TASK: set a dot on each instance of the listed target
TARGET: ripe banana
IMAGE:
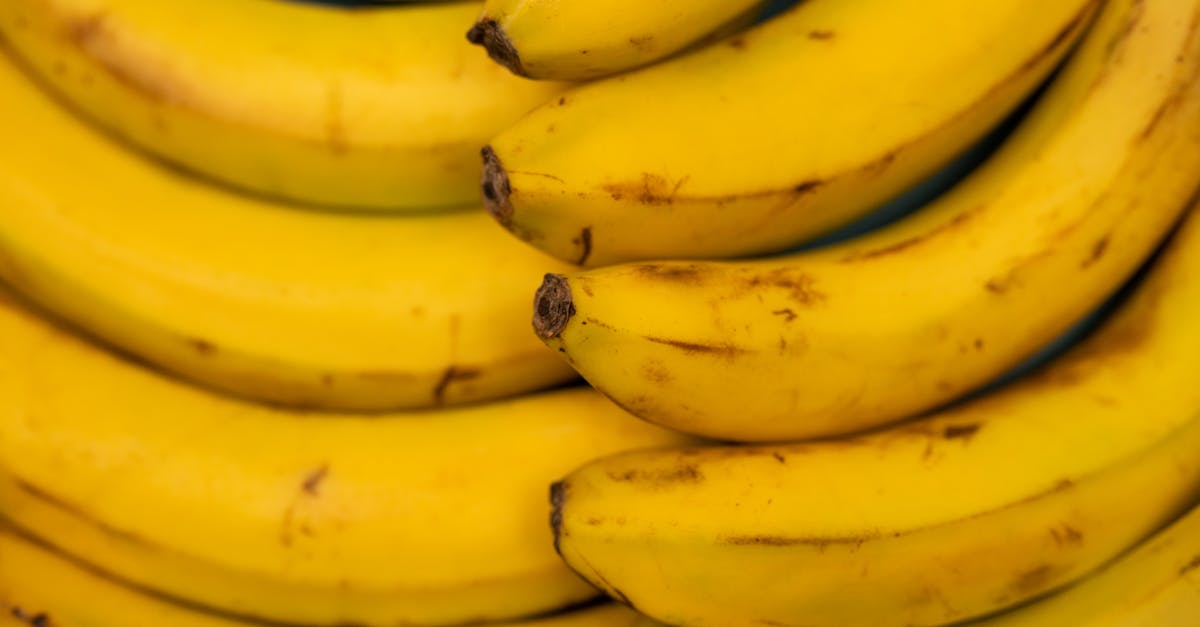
(977, 507)
(1156, 585)
(775, 136)
(906, 318)
(355, 107)
(579, 41)
(431, 518)
(297, 307)
(39, 584)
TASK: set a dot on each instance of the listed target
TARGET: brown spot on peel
(1098, 250)
(820, 35)
(960, 432)
(552, 306)
(312, 483)
(1190, 566)
(487, 33)
(658, 477)
(452, 374)
(725, 350)
(204, 347)
(496, 187)
(584, 241)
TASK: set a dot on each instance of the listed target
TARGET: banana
(899, 321)
(381, 108)
(1155, 585)
(304, 308)
(573, 41)
(974, 508)
(774, 136)
(43, 588)
(431, 518)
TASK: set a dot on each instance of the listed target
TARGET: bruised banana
(39, 584)
(433, 518)
(580, 41)
(304, 308)
(1155, 585)
(972, 509)
(382, 108)
(774, 136)
(899, 321)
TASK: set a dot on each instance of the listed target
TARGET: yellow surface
(36, 581)
(306, 308)
(433, 518)
(916, 314)
(1156, 584)
(776, 135)
(972, 509)
(372, 108)
(560, 39)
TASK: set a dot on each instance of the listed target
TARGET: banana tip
(487, 33)
(552, 306)
(496, 188)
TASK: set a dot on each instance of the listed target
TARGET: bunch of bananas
(267, 359)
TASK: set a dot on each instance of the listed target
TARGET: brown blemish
(657, 373)
(779, 457)
(562, 101)
(1034, 580)
(496, 187)
(820, 35)
(552, 306)
(978, 344)
(595, 521)
(452, 374)
(1066, 535)
(779, 541)
(558, 496)
(312, 482)
(961, 432)
(996, 286)
(584, 241)
(597, 322)
(799, 285)
(202, 346)
(40, 619)
(788, 314)
(1098, 250)
(737, 43)
(806, 187)
(83, 31)
(1190, 566)
(487, 33)
(689, 274)
(643, 43)
(335, 131)
(724, 350)
(683, 473)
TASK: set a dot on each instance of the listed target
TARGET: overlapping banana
(1155, 585)
(40, 587)
(368, 108)
(427, 518)
(775, 136)
(297, 307)
(972, 509)
(918, 313)
(579, 41)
